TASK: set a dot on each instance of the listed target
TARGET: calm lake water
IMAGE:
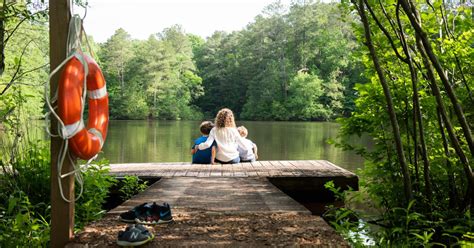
(171, 141)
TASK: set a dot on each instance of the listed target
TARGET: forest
(293, 63)
(399, 71)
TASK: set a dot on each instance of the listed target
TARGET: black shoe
(134, 235)
(131, 215)
(144, 230)
(156, 215)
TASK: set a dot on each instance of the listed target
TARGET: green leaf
(12, 203)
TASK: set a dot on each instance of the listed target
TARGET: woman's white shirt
(228, 140)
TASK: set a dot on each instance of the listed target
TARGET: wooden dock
(303, 180)
(245, 204)
(219, 211)
(236, 195)
(298, 168)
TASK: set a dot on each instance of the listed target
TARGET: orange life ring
(85, 142)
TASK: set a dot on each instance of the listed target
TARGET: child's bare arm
(255, 151)
(193, 150)
(213, 155)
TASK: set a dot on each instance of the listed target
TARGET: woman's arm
(209, 141)
(239, 139)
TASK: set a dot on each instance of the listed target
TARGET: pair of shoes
(131, 215)
(156, 214)
(148, 213)
(134, 235)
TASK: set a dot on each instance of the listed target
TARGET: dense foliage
(289, 64)
(24, 168)
(418, 109)
(25, 185)
(24, 154)
(154, 78)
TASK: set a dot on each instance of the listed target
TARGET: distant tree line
(155, 78)
(291, 63)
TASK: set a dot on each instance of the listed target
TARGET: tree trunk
(388, 97)
(2, 43)
(424, 151)
(416, 102)
(283, 76)
(453, 194)
(464, 81)
(417, 113)
(447, 122)
(122, 83)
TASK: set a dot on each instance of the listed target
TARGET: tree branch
(387, 34)
(13, 31)
(32, 70)
(9, 112)
(17, 69)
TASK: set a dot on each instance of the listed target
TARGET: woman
(226, 136)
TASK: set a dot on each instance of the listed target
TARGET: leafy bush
(21, 225)
(24, 201)
(25, 198)
(398, 227)
(32, 172)
(132, 185)
(97, 183)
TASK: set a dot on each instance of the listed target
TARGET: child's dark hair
(206, 127)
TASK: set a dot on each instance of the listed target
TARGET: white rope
(73, 49)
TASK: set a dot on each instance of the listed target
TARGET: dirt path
(198, 228)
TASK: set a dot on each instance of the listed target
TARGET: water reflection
(170, 141)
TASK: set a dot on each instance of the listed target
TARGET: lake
(171, 141)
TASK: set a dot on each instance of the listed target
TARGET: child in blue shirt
(206, 156)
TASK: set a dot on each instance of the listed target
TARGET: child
(206, 156)
(226, 136)
(248, 153)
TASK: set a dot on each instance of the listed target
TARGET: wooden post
(62, 212)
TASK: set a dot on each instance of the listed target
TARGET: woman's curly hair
(225, 118)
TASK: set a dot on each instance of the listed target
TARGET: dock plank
(227, 170)
(304, 166)
(239, 170)
(277, 166)
(161, 169)
(192, 171)
(216, 170)
(291, 168)
(341, 170)
(181, 172)
(176, 169)
(272, 170)
(261, 171)
(248, 167)
(203, 170)
(257, 167)
(288, 168)
(295, 169)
